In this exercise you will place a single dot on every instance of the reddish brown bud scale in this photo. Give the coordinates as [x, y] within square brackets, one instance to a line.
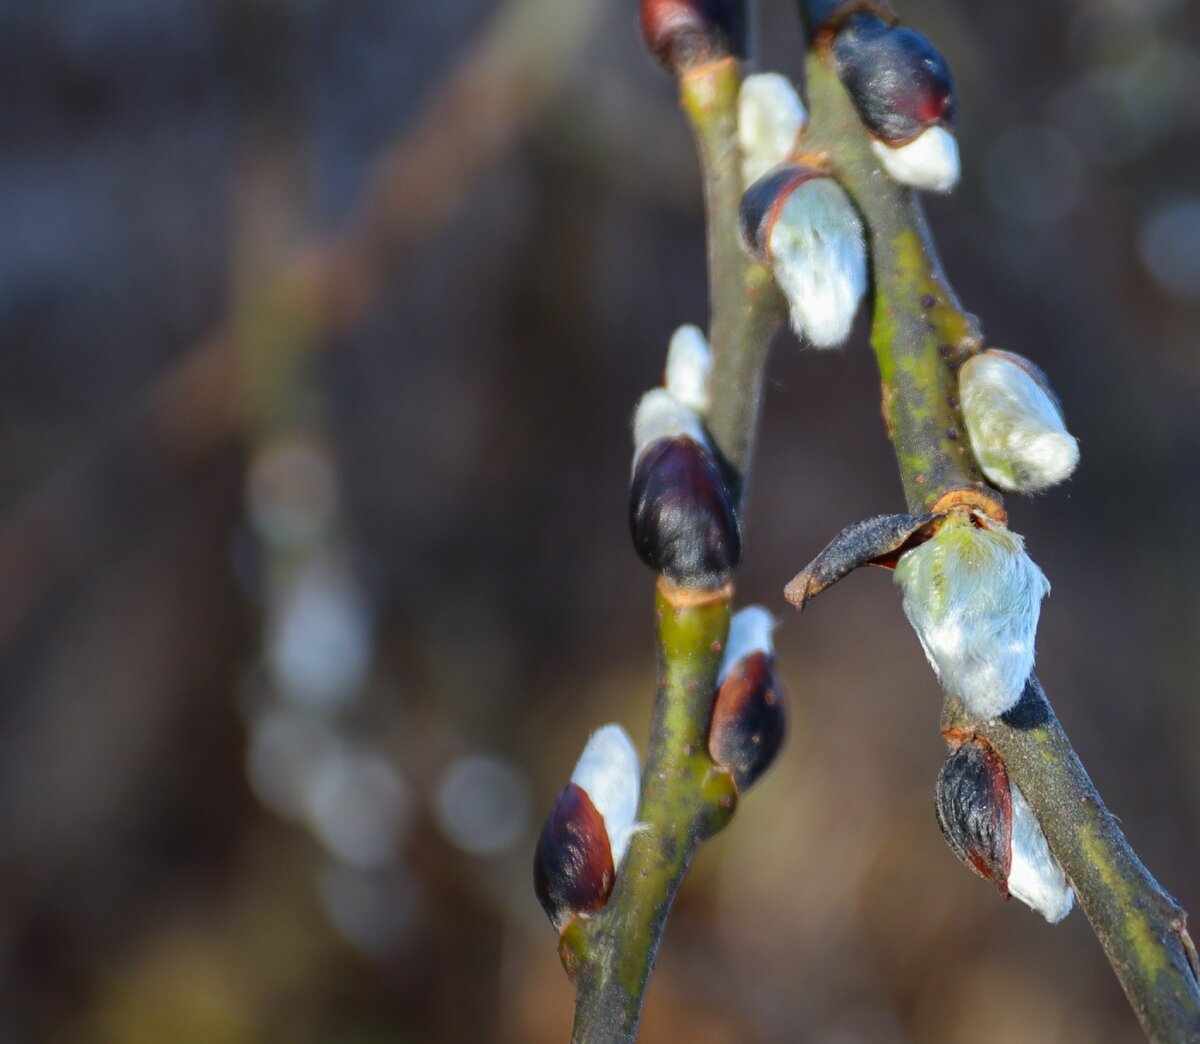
[682, 34]
[681, 514]
[899, 82]
[749, 719]
[762, 201]
[572, 866]
[974, 810]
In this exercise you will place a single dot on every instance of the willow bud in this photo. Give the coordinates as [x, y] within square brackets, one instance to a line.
[989, 825]
[749, 719]
[588, 831]
[771, 117]
[689, 368]
[904, 93]
[973, 596]
[1015, 423]
[681, 514]
[682, 34]
[799, 222]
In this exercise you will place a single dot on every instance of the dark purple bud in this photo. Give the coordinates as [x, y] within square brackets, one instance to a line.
[685, 33]
[681, 514]
[762, 202]
[973, 802]
[897, 79]
[572, 866]
[749, 719]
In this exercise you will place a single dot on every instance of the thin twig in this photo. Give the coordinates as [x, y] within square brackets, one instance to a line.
[920, 334]
[685, 796]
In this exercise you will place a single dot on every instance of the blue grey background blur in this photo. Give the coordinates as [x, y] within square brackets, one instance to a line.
[291, 676]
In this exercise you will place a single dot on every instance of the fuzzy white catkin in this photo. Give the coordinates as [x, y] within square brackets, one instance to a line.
[771, 117]
[749, 632]
[974, 596]
[662, 416]
[929, 161]
[689, 367]
[608, 770]
[1035, 876]
[819, 260]
[1015, 427]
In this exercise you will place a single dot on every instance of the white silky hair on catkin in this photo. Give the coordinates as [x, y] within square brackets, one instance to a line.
[929, 161]
[1035, 876]
[749, 632]
[974, 596]
[1015, 427]
[771, 117]
[689, 367]
[819, 260]
[662, 416]
[609, 771]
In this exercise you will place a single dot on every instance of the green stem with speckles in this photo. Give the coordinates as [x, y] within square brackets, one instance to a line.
[685, 798]
[921, 335]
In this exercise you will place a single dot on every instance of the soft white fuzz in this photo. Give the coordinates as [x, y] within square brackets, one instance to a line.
[662, 416]
[689, 366]
[771, 117]
[929, 161]
[1035, 877]
[974, 596]
[1016, 429]
[609, 772]
[819, 261]
[749, 632]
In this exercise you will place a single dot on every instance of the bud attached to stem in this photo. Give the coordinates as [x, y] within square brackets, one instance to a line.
[588, 830]
[798, 222]
[904, 93]
[683, 34]
[1015, 423]
[749, 719]
[973, 596]
[681, 513]
[771, 118]
[989, 825]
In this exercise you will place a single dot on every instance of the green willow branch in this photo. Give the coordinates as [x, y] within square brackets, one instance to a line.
[686, 797]
[920, 336]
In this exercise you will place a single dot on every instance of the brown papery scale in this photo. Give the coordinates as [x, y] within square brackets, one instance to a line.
[749, 719]
[681, 514]
[682, 34]
[572, 866]
[974, 809]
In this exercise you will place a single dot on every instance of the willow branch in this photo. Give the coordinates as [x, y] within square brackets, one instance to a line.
[920, 335]
[686, 797]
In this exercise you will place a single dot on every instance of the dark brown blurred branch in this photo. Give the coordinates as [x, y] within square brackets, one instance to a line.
[320, 291]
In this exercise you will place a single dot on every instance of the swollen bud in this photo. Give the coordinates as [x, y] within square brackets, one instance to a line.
[771, 117]
[904, 93]
[1015, 423]
[973, 596]
[588, 831]
[689, 368]
[989, 825]
[681, 514]
[798, 222]
[573, 869]
[682, 34]
[749, 719]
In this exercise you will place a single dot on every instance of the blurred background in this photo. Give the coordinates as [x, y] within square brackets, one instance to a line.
[322, 326]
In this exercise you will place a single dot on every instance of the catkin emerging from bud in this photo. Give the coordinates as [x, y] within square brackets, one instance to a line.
[974, 596]
[771, 118]
[1015, 423]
